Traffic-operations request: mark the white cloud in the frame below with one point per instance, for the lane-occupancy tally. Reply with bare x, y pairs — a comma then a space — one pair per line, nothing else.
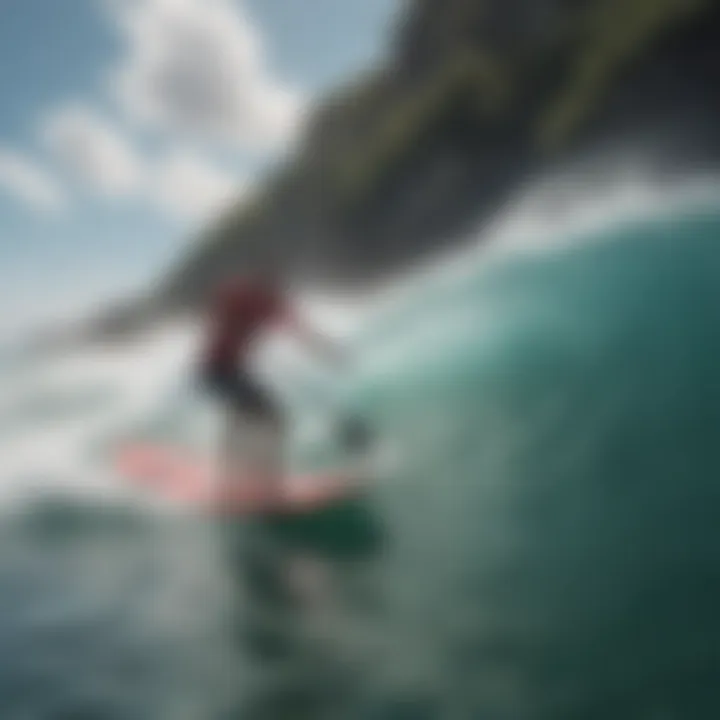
182, 184
198, 67
27, 180
91, 149
187, 187
195, 71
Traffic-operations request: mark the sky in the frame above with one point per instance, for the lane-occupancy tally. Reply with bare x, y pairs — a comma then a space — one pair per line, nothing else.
126, 125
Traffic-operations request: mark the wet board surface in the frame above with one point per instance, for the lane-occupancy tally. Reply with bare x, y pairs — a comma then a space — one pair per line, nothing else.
183, 477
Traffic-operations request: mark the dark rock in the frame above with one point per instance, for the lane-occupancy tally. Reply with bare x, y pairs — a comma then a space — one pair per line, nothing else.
475, 98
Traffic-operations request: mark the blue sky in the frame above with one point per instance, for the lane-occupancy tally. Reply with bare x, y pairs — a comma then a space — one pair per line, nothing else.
126, 124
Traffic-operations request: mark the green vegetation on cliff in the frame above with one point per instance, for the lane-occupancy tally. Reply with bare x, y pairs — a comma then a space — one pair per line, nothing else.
526, 96
609, 35
468, 82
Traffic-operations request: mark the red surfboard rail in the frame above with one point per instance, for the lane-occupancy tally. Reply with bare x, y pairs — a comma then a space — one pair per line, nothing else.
180, 476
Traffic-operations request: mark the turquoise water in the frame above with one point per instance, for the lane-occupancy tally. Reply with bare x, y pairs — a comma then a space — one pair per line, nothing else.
564, 479
543, 545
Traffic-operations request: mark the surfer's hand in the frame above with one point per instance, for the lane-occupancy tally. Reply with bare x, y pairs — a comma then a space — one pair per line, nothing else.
319, 343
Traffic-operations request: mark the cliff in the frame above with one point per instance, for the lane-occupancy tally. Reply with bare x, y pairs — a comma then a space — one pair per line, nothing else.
475, 97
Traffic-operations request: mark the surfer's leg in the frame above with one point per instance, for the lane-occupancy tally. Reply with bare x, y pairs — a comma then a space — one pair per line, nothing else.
235, 436
252, 445
236, 445
259, 422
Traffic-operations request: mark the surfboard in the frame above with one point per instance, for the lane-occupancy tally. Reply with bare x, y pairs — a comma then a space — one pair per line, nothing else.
183, 477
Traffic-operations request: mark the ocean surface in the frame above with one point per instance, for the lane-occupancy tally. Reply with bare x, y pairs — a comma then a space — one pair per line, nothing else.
541, 540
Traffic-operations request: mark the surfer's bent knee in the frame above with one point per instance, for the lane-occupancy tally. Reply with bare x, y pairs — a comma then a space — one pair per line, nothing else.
242, 395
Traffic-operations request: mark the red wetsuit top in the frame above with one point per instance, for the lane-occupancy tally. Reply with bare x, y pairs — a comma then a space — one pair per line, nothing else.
240, 310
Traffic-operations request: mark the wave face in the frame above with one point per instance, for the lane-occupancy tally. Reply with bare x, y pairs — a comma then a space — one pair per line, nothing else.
550, 513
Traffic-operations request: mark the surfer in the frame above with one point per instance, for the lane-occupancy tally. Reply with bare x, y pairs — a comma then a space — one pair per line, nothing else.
242, 307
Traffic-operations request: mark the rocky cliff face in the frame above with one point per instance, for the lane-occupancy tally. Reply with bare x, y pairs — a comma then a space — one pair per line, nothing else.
476, 96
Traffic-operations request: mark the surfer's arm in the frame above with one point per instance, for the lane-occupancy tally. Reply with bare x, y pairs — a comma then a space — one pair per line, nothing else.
309, 336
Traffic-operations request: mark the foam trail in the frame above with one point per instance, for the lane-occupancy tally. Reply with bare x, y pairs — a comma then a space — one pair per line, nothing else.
51, 448
60, 417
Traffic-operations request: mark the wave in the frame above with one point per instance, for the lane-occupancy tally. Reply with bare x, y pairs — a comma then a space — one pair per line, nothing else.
61, 417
